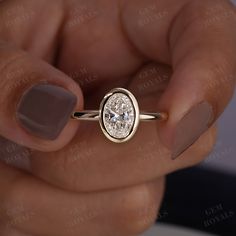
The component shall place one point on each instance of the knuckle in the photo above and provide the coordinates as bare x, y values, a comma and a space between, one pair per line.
13, 76
139, 210
18, 72
10, 67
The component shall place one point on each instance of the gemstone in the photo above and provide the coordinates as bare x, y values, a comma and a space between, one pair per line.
118, 115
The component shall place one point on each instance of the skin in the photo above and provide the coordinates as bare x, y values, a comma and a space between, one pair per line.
74, 187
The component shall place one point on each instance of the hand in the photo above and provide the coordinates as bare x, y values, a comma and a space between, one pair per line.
105, 44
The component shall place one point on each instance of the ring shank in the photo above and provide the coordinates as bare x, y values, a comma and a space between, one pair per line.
147, 116
93, 115
90, 115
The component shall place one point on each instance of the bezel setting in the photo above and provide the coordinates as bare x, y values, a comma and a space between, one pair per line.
131, 101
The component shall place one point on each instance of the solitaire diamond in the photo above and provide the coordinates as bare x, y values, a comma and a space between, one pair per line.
118, 115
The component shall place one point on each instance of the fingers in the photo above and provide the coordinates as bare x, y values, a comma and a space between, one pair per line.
94, 27
36, 101
96, 164
202, 49
12, 232
35, 208
91, 162
204, 72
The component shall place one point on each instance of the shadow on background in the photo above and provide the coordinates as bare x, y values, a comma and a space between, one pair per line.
201, 199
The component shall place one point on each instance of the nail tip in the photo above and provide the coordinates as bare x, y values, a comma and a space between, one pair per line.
44, 110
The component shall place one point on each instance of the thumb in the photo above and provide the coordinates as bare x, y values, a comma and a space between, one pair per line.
36, 101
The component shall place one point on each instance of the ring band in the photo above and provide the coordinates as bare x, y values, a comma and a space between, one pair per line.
94, 115
119, 115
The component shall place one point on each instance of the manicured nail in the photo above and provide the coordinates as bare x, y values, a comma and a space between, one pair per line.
44, 110
191, 127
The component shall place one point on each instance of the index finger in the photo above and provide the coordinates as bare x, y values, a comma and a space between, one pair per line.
198, 39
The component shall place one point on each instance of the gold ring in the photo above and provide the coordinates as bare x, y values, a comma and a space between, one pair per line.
119, 115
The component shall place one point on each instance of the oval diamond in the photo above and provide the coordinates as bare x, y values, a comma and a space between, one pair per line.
119, 114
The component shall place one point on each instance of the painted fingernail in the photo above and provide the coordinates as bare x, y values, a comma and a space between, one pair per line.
191, 127
45, 109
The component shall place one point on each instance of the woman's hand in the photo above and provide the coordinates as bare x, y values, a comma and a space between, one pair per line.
178, 57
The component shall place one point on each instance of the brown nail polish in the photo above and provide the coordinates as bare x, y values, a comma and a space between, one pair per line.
191, 127
45, 109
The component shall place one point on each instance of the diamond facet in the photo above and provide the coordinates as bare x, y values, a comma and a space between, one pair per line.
118, 115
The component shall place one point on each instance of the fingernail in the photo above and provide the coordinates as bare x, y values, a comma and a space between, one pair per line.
45, 109
191, 127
